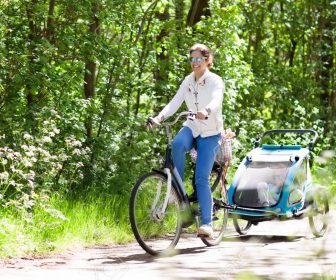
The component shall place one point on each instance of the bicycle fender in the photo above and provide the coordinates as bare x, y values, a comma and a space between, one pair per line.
179, 193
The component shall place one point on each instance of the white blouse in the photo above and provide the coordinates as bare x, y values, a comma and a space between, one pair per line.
205, 95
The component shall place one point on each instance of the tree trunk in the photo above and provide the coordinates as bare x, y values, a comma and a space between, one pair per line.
291, 53
90, 70
198, 9
161, 71
179, 16
50, 22
33, 36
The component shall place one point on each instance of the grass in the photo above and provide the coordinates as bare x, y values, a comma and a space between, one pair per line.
95, 220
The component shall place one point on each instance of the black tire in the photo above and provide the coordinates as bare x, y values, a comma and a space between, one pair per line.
318, 213
220, 214
155, 232
241, 226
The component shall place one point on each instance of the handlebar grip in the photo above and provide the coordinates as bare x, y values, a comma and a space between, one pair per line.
149, 121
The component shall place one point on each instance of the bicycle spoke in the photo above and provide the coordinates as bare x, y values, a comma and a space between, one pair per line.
156, 231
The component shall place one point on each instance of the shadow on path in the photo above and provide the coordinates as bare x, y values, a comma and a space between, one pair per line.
266, 238
143, 258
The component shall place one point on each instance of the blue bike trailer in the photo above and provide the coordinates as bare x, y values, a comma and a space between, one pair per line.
272, 181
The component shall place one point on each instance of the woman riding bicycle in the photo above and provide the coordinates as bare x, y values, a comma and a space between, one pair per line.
202, 91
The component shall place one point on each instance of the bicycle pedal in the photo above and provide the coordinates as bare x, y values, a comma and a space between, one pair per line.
205, 236
214, 218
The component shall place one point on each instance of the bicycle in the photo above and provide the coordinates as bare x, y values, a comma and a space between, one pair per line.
160, 206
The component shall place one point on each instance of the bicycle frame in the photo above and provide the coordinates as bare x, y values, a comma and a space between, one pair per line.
173, 178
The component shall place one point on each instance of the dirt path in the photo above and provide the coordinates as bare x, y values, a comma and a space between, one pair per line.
272, 250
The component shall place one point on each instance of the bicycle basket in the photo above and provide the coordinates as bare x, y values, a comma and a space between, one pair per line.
224, 153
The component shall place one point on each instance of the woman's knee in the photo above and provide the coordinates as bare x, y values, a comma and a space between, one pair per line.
182, 141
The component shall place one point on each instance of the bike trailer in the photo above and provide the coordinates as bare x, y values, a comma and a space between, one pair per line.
272, 181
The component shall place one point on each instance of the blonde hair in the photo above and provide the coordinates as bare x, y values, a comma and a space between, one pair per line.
205, 51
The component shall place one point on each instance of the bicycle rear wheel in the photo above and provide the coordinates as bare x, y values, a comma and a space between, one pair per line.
220, 214
155, 232
318, 214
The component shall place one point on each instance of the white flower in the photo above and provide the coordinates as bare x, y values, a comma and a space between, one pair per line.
63, 157
27, 163
27, 136
16, 154
31, 184
12, 183
30, 153
24, 147
77, 143
56, 131
76, 152
31, 174
10, 156
79, 164
46, 139
4, 175
33, 159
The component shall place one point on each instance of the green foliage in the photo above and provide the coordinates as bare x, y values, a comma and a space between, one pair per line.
89, 220
276, 60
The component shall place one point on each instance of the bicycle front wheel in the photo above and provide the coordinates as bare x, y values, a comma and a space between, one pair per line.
155, 230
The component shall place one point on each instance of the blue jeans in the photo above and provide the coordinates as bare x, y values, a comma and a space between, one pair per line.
207, 148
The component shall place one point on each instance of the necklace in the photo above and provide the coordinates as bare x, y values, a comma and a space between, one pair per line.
195, 93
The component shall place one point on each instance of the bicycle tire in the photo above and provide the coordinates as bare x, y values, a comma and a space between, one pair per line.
241, 226
156, 233
318, 214
220, 214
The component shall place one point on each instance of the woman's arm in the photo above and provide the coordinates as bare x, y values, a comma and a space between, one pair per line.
173, 105
217, 98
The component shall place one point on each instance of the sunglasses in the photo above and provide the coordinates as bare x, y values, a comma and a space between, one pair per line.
196, 59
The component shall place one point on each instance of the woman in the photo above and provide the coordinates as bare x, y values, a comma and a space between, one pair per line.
202, 91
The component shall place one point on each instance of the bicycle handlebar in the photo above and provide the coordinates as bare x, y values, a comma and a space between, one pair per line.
168, 125
185, 113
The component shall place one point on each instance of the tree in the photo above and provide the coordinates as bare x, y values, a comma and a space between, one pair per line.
197, 9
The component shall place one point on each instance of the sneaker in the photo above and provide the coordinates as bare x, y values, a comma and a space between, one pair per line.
205, 231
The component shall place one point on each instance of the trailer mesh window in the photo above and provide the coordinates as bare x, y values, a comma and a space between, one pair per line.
261, 184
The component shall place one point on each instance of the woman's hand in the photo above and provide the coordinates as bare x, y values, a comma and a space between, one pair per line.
154, 122
202, 115
151, 123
